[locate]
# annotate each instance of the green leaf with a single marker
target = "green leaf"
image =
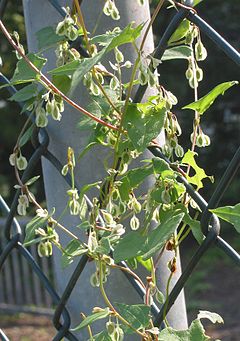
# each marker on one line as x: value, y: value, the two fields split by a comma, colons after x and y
x: 79, y: 68
x: 160, y: 235
x: 177, y: 52
x: 103, y: 336
x: 160, y: 166
x: 62, y: 82
x: 133, y: 179
x: 213, y: 317
x: 196, y: 332
x: 196, y: 179
x: 47, y: 37
x: 231, y: 214
x: 128, y: 35
x: 137, y: 315
x: 104, y: 246
x: 134, y: 244
x: 195, y: 228
x: 26, y: 136
x: 32, y: 180
x: 143, y: 123
x: 25, y: 93
x: 180, y: 31
x: 206, y: 101
x: 146, y: 263
x: 131, y: 245
x: 24, y: 73
x: 92, y: 318
x: 73, y: 249
x: 196, y: 2
x: 35, y: 223
x: 67, y: 69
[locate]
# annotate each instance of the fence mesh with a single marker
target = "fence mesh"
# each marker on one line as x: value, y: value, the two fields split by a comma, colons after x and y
x: 209, y: 223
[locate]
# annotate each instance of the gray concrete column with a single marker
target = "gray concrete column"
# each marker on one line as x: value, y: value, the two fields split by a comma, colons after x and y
x: 39, y: 14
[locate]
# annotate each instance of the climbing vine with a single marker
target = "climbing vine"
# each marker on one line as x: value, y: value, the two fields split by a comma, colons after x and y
x: 119, y: 220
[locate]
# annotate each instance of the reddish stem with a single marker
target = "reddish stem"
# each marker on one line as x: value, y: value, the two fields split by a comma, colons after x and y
x: 49, y: 84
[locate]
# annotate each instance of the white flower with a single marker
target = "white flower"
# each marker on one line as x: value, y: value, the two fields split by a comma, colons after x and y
x: 42, y: 213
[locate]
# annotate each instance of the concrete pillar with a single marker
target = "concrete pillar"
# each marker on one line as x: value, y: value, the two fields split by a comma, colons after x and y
x: 39, y: 14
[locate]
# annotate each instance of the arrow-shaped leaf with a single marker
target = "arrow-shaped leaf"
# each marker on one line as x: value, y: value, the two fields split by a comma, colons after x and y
x: 206, y: 101
x: 231, y: 214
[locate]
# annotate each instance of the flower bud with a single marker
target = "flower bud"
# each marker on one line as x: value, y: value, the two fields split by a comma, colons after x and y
x: 137, y: 207
x: 118, y: 55
x: 127, y: 64
x: 64, y: 170
x: 107, y: 217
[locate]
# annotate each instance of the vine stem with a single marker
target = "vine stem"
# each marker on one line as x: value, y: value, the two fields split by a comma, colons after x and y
x: 129, y: 271
x: 134, y: 71
x: 107, y: 301
x: 48, y: 84
x: 34, y: 201
x: 82, y: 23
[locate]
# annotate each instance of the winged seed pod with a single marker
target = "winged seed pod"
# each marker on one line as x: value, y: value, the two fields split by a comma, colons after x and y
x: 134, y: 223
x: 23, y: 203
x: 21, y: 162
x: 200, y: 51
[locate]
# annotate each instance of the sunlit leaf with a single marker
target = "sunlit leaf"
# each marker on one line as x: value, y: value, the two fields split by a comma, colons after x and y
x: 180, y: 31
x: 196, y: 179
x: 26, y: 136
x: 137, y: 315
x: 24, y: 73
x: 47, y: 37
x: 206, y: 101
x: 143, y: 123
x: 73, y: 249
x: 230, y: 214
x: 178, y: 52
x: 160, y: 235
x: 92, y: 318
x: 213, y: 317
x: 25, y: 93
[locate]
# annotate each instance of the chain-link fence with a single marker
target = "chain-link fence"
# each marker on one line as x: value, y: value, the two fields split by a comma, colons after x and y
x: 210, y: 224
